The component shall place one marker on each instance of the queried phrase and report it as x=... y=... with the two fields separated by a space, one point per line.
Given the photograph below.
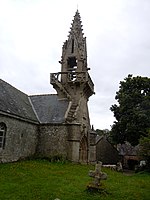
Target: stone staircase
x=72 y=112
x=62 y=89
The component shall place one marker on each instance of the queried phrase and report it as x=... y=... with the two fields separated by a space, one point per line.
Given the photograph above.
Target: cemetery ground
x=44 y=180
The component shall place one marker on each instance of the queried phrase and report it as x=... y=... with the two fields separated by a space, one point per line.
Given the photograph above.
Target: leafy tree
x=102 y=132
x=145 y=149
x=106 y=133
x=99 y=132
x=133 y=110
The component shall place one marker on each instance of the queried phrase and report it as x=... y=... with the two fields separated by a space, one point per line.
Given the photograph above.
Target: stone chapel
x=52 y=124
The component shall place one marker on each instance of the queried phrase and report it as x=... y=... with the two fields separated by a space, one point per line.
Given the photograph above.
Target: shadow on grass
x=101 y=189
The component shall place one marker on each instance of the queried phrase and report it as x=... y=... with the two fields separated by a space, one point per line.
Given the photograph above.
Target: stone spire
x=75 y=46
x=74 y=70
x=76 y=28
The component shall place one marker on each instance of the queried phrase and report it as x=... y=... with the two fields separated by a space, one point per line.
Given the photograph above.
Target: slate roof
x=98 y=138
x=15 y=102
x=49 y=108
x=37 y=108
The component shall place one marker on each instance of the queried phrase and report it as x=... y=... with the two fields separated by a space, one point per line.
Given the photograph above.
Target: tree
x=133 y=110
x=102 y=132
x=144 y=149
x=106 y=133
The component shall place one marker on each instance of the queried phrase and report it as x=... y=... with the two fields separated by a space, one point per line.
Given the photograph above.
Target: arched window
x=2 y=135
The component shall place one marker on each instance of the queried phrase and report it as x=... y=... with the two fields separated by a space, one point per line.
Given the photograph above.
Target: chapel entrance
x=83 y=151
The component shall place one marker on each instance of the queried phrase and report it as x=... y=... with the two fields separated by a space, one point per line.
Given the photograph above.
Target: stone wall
x=53 y=141
x=24 y=139
x=92 y=149
x=21 y=139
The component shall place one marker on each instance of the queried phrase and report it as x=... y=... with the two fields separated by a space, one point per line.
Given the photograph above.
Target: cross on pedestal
x=97 y=174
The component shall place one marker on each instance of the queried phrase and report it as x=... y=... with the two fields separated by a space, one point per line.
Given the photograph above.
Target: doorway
x=83 y=151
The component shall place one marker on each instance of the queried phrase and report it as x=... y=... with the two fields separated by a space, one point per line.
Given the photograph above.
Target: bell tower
x=74 y=84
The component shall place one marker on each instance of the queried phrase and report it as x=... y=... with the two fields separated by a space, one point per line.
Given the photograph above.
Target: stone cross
x=97 y=174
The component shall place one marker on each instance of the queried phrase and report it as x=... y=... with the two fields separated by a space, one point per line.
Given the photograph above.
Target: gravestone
x=98 y=175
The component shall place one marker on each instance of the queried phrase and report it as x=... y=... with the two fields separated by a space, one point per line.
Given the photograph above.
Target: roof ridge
x=13 y=87
x=41 y=95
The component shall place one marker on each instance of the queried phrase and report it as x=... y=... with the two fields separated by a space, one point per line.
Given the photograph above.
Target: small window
x=72 y=66
x=72 y=63
x=2 y=135
x=72 y=48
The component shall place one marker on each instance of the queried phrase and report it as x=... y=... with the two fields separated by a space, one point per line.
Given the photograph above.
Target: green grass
x=42 y=180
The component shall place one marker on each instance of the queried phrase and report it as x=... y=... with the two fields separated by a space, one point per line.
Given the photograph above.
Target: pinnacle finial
x=76 y=28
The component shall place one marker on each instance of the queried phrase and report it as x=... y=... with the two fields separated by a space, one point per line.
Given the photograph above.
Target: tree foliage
x=145 y=149
x=133 y=110
x=102 y=132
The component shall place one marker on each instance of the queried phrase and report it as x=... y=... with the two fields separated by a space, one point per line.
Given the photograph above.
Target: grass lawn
x=42 y=180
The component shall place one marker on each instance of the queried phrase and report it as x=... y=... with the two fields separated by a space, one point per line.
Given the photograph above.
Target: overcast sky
x=32 y=33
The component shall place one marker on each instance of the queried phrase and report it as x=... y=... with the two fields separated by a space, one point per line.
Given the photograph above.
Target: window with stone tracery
x=2 y=135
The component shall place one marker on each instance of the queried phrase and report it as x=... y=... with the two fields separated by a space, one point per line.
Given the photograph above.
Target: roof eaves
x=18 y=117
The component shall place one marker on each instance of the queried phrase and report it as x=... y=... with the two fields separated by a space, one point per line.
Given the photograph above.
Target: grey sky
x=118 y=40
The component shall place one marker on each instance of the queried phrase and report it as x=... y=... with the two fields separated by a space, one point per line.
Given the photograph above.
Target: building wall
x=24 y=139
x=52 y=141
x=106 y=153
x=92 y=149
x=60 y=140
x=21 y=139
x=92 y=154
